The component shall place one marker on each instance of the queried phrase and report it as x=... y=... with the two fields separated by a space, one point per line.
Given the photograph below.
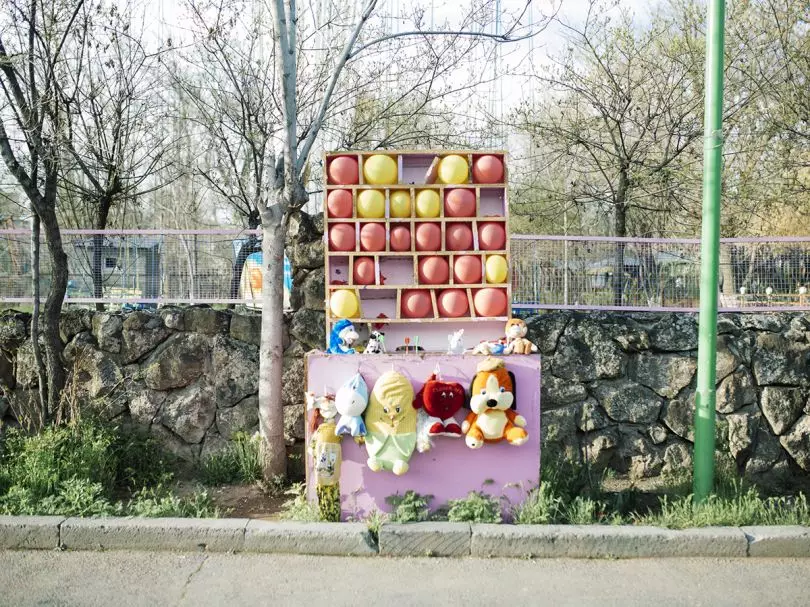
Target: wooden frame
x=412 y=221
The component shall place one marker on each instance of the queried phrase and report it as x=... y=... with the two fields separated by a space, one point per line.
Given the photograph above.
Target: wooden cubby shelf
x=384 y=278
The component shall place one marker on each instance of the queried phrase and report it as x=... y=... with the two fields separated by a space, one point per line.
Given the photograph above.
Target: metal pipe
x=709 y=255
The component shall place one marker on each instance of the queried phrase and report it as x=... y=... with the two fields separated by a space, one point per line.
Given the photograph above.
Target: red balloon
x=467 y=269
x=400 y=238
x=459 y=237
x=459 y=202
x=491 y=236
x=364 y=271
x=428 y=237
x=416 y=303
x=488 y=169
x=452 y=303
x=339 y=203
x=433 y=270
x=372 y=237
x=341 y=237
x=490 y=302
x=343 y=171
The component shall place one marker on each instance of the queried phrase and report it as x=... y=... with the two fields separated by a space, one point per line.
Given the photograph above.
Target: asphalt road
x=144 y=578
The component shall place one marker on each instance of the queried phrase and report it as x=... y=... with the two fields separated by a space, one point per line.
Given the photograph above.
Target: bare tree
x=33 y=45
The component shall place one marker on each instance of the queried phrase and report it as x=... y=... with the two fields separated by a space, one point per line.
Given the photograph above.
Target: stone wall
x=619 y=389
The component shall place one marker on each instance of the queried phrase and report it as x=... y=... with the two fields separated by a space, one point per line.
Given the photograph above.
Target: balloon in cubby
x=380 y=169
x=459 y=202
x=433 y=270
x=400 y=202
x=452 y=303
x=371 y=204
x=416 y=303
x=459 y=237
x=453 y=169
x=339 y=204
x=467 y=269
x=428 y=237
x=491 y=236
x=364 y=273
x=400 y=238
x=496 y=269
x=488 y=169
x=428 y=204
x=343 y=170
x=341 y=237
x=372 y=237
x=490 y=302
x=343 y=303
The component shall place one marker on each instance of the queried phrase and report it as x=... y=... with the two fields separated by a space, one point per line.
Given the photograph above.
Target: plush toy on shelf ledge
x=391 y=422
x=342 y=338
x=376 y=343
x=516 y=342
x=351 y=401
x=494 y=347
x=492 y=397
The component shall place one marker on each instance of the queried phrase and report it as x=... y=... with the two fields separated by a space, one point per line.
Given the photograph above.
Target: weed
x=541 y=507
x=298 y=507
x=374 y=521
x=477 y=507
x=409 y=508
x=160 y=501
x=239 y=462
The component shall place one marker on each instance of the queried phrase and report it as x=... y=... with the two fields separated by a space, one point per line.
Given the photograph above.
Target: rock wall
x=618 y=389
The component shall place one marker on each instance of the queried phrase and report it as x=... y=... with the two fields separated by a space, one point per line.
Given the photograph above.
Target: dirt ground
x=240 y=501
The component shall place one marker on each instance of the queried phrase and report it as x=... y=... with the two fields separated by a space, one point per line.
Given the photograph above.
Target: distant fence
x=580 y=272
x=548 y=272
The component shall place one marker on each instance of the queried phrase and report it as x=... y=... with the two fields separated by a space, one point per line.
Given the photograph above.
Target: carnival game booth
x=417 y=267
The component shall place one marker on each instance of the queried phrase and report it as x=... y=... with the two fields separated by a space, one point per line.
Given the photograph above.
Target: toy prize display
x=417 y=263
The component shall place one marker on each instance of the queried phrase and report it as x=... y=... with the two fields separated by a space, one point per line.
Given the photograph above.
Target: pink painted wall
x=450 y=470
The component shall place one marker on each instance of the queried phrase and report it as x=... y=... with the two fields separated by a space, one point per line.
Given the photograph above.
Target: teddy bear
x=516 y=342
x=441 y=400
x=350 y=401
x=342 y=337
x=391 y=421
x=492 y=400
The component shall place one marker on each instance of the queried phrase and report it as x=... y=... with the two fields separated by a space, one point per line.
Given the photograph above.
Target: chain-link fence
x=608 y=273
x=548 y=272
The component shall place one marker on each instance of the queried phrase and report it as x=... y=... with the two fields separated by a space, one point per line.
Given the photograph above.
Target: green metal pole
x=709 y=254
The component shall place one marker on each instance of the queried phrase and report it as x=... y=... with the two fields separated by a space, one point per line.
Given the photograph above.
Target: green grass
x=298 y=507
x=240 y=462
x=477 y=507
x=83 y=468
x=412 y=507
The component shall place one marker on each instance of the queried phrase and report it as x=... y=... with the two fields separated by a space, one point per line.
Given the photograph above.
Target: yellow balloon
x=453 y=169
x=380 y=170
x=428 y=203
x=496 y=269
x=343 y=304
x=400 y=203
x=371 y=204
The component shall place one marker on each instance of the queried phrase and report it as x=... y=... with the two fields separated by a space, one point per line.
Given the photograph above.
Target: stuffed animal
x=492 y=401
x=489 y=348
x=351 y=400
x=516 y=342
x=376 y=343
x=320 y=409
x=456 y=342
x=441 y=401
x=342 y=337
x=391 y=422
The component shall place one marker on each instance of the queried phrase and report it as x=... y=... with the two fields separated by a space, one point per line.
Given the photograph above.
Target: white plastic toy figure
x=456 y=341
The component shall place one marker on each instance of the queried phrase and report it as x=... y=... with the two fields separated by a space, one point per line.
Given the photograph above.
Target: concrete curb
x=414 y=540
x=214 y=535
x=337 y=539
x=425 y=539
x=602 y=541
x=29 y=532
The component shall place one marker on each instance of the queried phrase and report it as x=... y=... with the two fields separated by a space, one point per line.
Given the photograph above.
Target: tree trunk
x=53 y=306
x=35 y=276
x=102 y=214
x=271 y=350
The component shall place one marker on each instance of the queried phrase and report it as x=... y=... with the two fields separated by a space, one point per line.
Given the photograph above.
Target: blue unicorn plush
x=342 y=337
x=351 y=401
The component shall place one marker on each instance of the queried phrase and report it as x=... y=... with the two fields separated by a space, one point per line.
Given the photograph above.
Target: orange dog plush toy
x=492 y=400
